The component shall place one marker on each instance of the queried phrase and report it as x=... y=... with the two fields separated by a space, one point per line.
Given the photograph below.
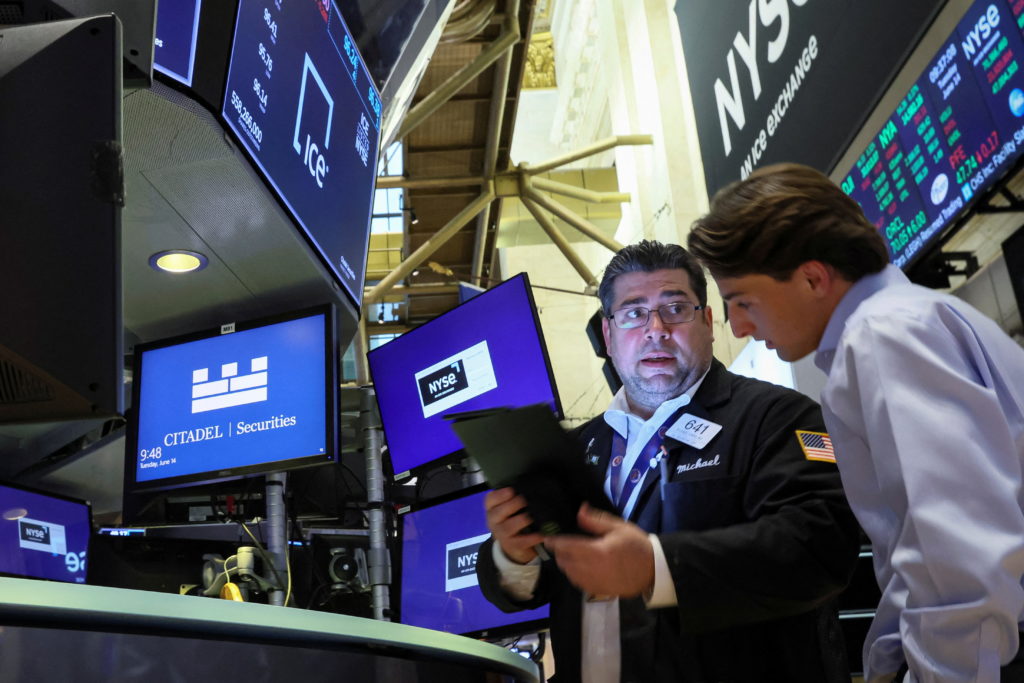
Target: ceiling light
x=178 y=261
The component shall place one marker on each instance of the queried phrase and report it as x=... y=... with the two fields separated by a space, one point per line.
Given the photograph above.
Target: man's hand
x=506 y=518
x=619 y=561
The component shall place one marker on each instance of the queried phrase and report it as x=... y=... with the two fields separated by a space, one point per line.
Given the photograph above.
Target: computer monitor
x=486 y=353
x=301 y=102
x=61 y=192
x=42 y=535
x=954 y=134
x=439 y=588
x=247 y=398
x=177 y=33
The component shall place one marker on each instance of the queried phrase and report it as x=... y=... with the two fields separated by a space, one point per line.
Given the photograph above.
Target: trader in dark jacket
x=734 y=536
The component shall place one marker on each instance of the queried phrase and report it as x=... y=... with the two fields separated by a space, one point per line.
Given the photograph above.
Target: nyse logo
x=455 y=379
x=36 y=533
x=443 y=382
x=308 y=148
x=460 y=563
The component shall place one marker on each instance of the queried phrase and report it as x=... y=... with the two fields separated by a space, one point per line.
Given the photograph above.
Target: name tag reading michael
x=693 y=431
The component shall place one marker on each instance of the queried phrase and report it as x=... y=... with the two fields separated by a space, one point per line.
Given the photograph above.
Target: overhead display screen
x=300 y=100
x=440 y=591
x=486 y=353
x=955 y=132
x=177 y=25
x=222 y=405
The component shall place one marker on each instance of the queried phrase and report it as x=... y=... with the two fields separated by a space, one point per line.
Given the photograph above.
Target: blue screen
x=244 y=399
x=177 y=25
x=955 y=132
x=300 y=100
x=439 y=585
x=43 y=537
x=485 y=353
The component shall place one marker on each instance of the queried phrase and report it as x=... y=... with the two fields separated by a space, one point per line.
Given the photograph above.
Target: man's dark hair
x=648 y=256
x=781 y=216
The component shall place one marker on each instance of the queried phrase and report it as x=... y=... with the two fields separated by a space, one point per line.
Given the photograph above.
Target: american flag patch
x=816 y=445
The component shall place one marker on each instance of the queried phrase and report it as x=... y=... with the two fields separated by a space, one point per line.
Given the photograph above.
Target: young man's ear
x=817 y=277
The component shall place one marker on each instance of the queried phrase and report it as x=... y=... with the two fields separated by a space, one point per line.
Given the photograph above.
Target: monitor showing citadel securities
x=439 y=588
x=43 y=536
x=486 y=353
x=301 y=102
x=247 y=398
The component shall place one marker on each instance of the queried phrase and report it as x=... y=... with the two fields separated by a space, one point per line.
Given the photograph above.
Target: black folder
x=527 y=449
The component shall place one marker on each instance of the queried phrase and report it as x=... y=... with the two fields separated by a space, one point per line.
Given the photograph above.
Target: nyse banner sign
x=790 y=80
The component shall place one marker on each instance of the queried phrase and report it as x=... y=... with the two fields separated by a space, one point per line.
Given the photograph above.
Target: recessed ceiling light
x=178 y=261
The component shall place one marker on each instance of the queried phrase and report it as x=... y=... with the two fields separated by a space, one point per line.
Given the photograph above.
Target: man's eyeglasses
x=670 y=314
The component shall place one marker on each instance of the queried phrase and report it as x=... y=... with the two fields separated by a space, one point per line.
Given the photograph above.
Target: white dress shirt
x=601 y=648
x=925 y=407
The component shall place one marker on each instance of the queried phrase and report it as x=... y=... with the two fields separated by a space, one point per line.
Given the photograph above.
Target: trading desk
x=65 y=632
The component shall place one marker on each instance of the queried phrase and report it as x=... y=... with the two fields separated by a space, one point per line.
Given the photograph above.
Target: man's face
x=785 y=315
x=657 y=362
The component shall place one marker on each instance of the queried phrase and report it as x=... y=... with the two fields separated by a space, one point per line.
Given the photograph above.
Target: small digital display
x=177 y=28
x=955 y=132
x=300 y=100
x=43 y=536
x=486 y=353
x=440 y=590
x=256 y=399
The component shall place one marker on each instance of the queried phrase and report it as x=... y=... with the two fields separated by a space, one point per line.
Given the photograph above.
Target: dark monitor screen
x=439 y=588
x=177 y=30
x=43 y=536
x=301 y=102
x=957 y=130
x=255 y=397
x=486 y=353
x=60 y=220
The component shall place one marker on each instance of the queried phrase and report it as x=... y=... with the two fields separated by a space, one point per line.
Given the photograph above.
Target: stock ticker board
x=954 y=133
x=301 y=101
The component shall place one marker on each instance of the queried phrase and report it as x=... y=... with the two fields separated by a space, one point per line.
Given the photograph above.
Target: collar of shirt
x=861 y=290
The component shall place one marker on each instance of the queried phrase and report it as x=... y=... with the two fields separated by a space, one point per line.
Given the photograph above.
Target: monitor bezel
x=497 y=633
x=331 y=388
x=65 y=498
x=457 y=455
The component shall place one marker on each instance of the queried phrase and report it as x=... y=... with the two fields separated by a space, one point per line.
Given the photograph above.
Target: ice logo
x=940 y=188
x=1017 y=102
x=312 y=157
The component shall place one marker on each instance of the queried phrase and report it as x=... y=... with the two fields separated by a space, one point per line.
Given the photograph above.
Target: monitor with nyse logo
x=439 y=588
x=301 y=102
x=486 y=353
x=42 y=535
x=248 y=398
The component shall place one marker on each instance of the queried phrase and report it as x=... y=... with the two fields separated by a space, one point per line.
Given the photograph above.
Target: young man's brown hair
x=781 y=216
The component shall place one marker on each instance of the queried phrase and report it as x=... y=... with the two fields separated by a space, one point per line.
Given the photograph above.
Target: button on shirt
x=925 y=405
x=601 y=647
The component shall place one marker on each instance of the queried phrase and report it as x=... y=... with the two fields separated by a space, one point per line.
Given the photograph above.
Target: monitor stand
x=277 y=536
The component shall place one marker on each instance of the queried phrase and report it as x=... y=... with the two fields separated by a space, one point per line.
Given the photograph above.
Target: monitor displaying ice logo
x=231 y=389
